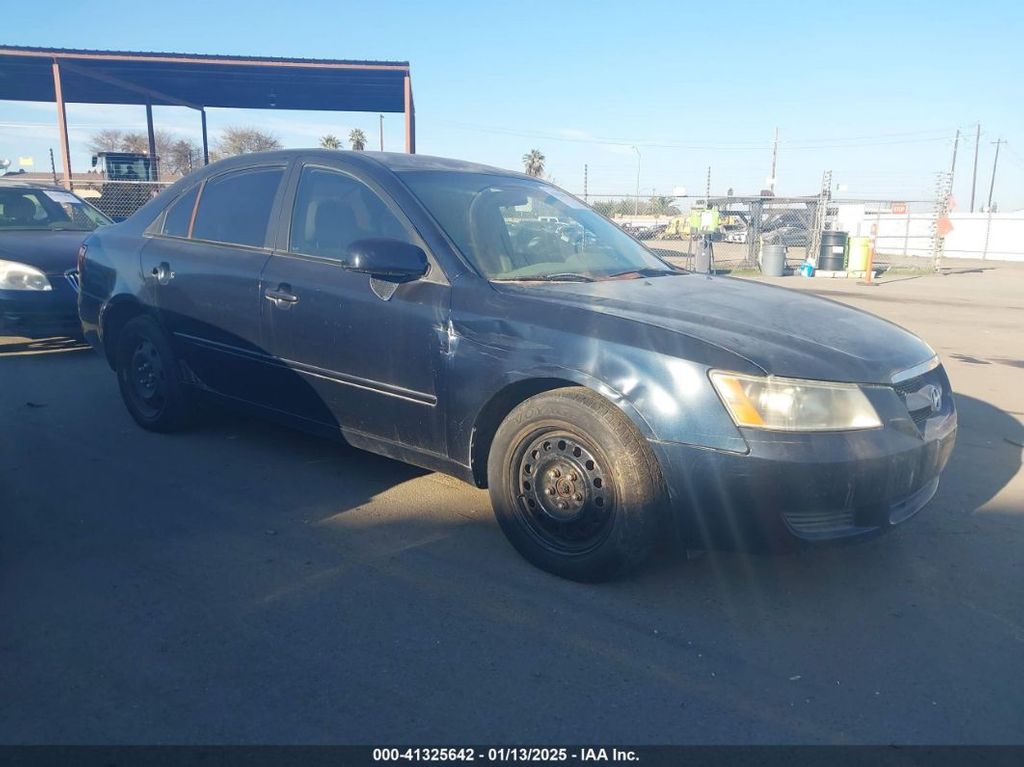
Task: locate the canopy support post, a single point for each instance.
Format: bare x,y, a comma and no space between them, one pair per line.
206,143
410,118
154,169
62,126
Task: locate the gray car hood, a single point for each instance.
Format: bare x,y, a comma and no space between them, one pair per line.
784,332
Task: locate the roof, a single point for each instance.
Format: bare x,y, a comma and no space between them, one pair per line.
397,162
199,80
400,161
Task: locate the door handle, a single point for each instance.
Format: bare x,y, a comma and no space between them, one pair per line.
163,273
281,297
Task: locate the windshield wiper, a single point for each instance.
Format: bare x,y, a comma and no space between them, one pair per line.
650,271
556,277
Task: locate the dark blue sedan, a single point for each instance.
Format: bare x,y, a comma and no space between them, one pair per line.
41,230
423,309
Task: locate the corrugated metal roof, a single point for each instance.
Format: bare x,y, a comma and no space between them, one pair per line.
160,55
199,80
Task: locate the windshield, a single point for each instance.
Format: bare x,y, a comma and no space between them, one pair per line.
517,229
47,209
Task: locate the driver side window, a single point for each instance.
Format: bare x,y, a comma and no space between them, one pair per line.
332,210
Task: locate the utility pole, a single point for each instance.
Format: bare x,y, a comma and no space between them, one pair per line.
636,200
707,188
382,133
974,175
992,184
775,156
584,182
956,144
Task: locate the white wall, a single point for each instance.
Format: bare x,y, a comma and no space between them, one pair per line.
996,236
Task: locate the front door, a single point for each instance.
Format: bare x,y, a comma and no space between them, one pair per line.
351,358
202,269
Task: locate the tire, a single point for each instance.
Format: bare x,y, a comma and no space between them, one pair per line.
575,487
149,377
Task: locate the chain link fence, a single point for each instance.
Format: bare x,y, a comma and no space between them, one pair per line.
119,199
915,233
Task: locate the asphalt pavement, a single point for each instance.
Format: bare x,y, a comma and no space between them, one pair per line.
241,583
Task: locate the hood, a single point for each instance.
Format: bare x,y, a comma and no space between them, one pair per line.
51,252
784,332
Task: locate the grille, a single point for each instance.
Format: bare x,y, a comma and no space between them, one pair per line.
920,407
71,275
811,522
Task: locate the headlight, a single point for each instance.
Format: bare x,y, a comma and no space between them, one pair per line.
792,404
15,276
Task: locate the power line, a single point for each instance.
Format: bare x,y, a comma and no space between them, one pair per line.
929,136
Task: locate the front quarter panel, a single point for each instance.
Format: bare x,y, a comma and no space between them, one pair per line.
497,341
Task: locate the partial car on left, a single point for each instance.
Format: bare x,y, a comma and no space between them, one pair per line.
41,229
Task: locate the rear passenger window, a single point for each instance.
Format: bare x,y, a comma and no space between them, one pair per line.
333,209
236,207
180,214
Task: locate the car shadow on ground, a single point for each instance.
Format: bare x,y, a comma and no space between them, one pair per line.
243,582
986,458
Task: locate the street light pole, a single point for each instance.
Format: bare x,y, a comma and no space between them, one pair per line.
636,200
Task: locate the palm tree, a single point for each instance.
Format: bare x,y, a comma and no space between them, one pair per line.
533,162
660,204
357,139
330,141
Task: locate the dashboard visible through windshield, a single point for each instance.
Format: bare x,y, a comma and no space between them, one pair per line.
24,208
514,229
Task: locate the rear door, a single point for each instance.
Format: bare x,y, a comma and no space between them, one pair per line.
350,357
203,269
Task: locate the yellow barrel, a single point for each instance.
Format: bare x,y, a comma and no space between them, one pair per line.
860,251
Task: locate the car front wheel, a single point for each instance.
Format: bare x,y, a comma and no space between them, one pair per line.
575,487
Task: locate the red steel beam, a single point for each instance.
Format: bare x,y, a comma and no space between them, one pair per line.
410,118
62,126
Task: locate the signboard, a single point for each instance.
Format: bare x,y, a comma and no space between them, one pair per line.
899,208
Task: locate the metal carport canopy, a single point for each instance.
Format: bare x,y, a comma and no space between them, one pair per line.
195,80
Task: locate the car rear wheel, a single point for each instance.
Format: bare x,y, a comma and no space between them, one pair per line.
147,374
575,487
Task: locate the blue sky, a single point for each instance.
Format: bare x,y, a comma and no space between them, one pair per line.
874,90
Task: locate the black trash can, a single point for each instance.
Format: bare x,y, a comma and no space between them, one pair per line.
832,256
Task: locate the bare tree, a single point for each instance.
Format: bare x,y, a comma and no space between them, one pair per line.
181,158
330,141
138,142
357,139
109,140
244,140
533,163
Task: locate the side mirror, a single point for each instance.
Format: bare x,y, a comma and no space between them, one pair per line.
386,259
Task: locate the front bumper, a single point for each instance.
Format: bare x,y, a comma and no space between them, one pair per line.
807,487
40,313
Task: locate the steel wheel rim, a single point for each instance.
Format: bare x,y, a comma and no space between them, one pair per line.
562,491
146,378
